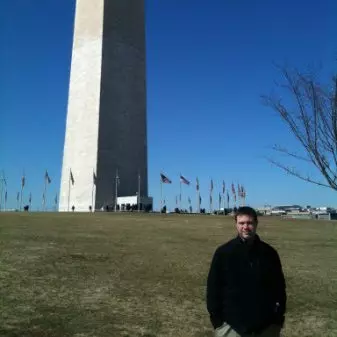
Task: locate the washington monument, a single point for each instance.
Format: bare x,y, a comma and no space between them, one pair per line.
105,132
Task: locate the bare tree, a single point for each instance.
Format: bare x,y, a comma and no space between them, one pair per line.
313,122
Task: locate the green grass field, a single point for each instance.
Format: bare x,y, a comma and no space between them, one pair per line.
103,275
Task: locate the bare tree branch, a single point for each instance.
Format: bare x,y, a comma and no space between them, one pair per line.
293,172
313,122
291,154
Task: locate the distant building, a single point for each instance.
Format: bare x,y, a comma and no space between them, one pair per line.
288,208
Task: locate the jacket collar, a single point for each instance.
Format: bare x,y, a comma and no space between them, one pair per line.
255,240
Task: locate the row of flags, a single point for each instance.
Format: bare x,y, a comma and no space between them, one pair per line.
23,179
19,195
240,192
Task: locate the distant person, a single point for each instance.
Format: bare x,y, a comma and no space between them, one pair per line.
246,290
73,208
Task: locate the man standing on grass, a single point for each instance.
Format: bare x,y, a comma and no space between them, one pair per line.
246,290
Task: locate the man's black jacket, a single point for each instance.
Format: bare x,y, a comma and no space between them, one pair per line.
246,286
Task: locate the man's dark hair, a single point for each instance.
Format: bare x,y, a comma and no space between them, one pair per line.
246,210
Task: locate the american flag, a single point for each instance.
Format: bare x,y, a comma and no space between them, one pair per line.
94,177
233,189
234,193
164,179
223,187
47,178
184,180
72,178
212,185
197,185
243,192
23,180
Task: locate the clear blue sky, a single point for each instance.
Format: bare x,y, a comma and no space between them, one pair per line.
208,62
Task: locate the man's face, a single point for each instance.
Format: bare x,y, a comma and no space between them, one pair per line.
246,226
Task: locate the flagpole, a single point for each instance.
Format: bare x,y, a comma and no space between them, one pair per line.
180,194
116,190
199,201
92,196
18,200
69,189
22,186
138,199
223,195
161,195
2,183
55,200
238,197
210,199
92,191
45,193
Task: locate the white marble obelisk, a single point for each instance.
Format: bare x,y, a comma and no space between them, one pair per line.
106,118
